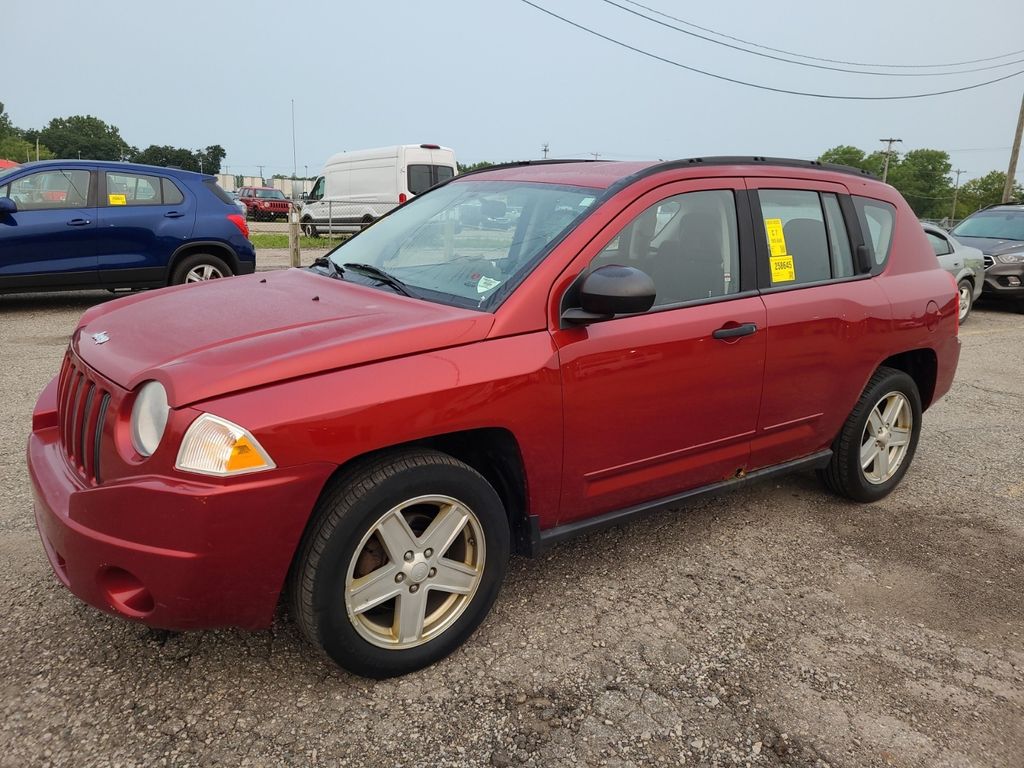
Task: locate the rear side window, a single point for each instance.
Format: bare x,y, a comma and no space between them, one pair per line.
219,193
423,177
877,222
939,244
172,195
838,239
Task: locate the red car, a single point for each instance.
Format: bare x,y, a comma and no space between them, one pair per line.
264,203
370,438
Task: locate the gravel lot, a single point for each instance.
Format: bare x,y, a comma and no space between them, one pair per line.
775,626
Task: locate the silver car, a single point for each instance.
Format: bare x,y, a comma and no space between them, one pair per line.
964,263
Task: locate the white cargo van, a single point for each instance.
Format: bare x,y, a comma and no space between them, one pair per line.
357,187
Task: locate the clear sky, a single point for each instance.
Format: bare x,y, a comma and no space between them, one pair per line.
496,79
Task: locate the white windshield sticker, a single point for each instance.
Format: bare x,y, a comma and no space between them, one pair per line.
586,202
486,283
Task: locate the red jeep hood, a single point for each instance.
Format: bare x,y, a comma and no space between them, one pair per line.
208,339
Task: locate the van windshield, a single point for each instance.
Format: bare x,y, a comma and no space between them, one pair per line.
469,243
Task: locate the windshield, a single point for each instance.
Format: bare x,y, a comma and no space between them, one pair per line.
270,194
469,243
1001,225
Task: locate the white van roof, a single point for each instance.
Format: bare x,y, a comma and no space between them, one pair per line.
381,152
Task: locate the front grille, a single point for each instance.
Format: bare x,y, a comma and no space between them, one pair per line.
82,405
989,261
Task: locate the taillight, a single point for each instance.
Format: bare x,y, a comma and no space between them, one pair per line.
239,221
402,198
430,146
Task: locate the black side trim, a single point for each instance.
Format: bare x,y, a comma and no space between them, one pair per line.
50,281
541,540
139,277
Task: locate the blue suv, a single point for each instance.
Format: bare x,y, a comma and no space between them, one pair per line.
81,224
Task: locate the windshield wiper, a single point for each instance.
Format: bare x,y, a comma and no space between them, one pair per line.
333,269
385,277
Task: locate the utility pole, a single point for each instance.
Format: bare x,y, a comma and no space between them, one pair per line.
261,173
956,189
295,165
888,152
544,149
1011,172
596,155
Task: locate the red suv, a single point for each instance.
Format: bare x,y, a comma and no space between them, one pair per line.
264,203
371,437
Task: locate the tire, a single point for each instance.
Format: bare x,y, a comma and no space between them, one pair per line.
200,267
965,291
309,228
845,474
360,527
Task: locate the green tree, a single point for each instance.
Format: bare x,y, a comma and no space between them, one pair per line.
922,177
85,136
984,191
206,161
15,145
473,166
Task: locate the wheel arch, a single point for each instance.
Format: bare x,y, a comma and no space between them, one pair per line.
922,365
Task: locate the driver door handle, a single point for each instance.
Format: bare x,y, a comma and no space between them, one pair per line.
78,222
736,331
173,215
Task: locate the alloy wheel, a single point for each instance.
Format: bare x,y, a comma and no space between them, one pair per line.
886,437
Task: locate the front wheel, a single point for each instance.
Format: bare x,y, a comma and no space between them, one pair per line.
878,440
309,228
403,560
965,295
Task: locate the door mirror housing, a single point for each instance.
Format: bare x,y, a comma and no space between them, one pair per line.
612,290
7,206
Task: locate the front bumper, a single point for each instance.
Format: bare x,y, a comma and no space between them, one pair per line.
172,552
1005,280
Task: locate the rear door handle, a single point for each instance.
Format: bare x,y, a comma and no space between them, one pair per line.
173,215
78,222
736,331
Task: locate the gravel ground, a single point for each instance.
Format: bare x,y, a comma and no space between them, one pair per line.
775,626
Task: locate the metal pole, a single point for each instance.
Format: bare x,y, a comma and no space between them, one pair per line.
956,189
295,164
1011,172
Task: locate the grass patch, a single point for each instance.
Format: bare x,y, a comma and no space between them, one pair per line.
280,240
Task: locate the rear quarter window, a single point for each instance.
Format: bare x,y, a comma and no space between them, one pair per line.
219,193
877,222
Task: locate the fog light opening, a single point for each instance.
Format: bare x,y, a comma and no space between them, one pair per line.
126,593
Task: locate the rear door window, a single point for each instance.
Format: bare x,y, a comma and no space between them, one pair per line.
133,189
807,236
939,244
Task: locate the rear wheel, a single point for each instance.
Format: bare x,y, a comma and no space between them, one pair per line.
965,294
309,228
200,267
403,560
878,440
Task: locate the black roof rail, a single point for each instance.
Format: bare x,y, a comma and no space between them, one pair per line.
522,163
996,205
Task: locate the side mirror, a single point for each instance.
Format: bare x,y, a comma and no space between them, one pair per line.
612,290
7,206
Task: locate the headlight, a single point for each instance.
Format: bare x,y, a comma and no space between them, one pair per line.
215,446
149,417
1011,258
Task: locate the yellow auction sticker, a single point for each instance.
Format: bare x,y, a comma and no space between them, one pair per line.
776,238
783,269
117,200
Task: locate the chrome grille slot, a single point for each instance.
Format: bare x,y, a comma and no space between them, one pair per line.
82,407
989,261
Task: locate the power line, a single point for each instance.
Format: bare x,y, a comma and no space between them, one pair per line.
819,58
767,87
806,63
